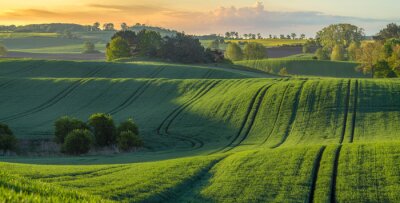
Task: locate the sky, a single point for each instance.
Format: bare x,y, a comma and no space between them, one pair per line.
209,16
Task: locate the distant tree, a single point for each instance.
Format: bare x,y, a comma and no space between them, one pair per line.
214,45
130,37
322,54
68,34
389,45
282,36
64,125
103,129
338,53
369,55
259,36
383,70
394,59
233,52
183,48
3,50
288,37
283,72
128,125
228,35
293,35
352,51
96,26
89,48
302,36
108,27
392,30
270,36
124,26
78,142
339,34
246,36
8,142
149,42
126,140
117,48
253,51
308,47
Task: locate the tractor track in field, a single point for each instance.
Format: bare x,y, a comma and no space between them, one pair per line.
292,117
314,174
334,174
353,127
136,94
251,114
27,68
187,186
132,98
52,101
346,112
177,111
208,74
277,116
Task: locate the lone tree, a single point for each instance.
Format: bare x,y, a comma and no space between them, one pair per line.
117,48
89,48
254,51
124,26
103,128
339,34
233,52
8,142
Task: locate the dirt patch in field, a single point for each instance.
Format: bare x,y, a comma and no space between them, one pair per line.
97,56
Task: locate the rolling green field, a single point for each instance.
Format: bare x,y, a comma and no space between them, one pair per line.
301,65
212,134
273,42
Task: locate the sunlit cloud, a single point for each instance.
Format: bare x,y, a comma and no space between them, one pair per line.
255,19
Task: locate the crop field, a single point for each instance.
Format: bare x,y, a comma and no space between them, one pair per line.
211,133
301,65
272,42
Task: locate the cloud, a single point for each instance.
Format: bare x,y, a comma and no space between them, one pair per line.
258,19
255,19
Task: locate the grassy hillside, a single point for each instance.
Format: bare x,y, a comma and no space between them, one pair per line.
212,134
306,67
272,42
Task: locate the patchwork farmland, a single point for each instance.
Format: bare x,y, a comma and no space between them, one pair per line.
211,134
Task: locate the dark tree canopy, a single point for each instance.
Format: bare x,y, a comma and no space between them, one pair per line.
392,30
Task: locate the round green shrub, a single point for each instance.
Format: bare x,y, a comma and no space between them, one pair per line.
103,129
8,142
128,125
127,140
65,125
78,141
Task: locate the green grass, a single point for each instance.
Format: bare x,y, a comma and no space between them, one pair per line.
212,133
14,35
306,67
272,42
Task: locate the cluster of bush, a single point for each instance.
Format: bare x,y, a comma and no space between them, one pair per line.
251,51
78,137
8,141
146,43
